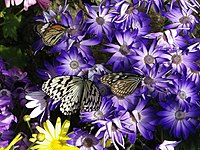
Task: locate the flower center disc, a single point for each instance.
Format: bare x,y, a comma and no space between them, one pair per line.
176,59
185,20
74,64
87,142
149,59
124,50
182,95
180,115
100,20
98,114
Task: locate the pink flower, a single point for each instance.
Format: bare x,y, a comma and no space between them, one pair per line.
27,3
13,2
44,3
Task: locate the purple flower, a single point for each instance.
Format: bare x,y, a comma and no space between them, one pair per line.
6,118
181,61
168,39
84,141
100,21
144,118
147,57
76,27
115,130
155,82
14,75
47,73
105,112
5,101
179,121
72,63
6,137
123,51
185,91
182,19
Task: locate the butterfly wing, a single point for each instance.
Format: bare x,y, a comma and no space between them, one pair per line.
53,34
50,34
74,92
91,98
122,84
68,89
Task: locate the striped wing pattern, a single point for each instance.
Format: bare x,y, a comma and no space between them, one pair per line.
74,92
122,84
53,34
50,34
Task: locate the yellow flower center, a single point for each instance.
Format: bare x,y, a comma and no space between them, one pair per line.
56,144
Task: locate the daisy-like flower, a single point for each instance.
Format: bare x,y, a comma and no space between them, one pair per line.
147,57
125,13
72,63
84,140
13,142
123,51
115,129
168,39
167,145
182,61
144,118
155,82
38,101
179,121
14,75
106,111
100,21
186,92
52,138
182,19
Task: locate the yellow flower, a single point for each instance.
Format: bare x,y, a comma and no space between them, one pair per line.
51,138
14,141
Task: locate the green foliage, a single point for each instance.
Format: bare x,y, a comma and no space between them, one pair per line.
13,55
10,25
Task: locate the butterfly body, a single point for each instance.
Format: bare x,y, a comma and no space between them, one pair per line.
51,33
75,93
122,84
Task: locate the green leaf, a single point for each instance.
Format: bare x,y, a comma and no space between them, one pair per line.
13,56
10,25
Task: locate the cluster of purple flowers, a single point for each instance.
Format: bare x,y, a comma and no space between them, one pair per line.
168,60
14,86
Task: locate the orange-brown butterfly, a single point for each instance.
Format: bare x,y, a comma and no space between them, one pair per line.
50,33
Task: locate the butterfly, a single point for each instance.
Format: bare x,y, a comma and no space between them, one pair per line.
50,33
122,84
75,93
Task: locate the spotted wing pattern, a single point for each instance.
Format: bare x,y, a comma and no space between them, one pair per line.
122,84
74,92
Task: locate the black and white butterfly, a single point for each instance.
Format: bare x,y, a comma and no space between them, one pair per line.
75,93
122,84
